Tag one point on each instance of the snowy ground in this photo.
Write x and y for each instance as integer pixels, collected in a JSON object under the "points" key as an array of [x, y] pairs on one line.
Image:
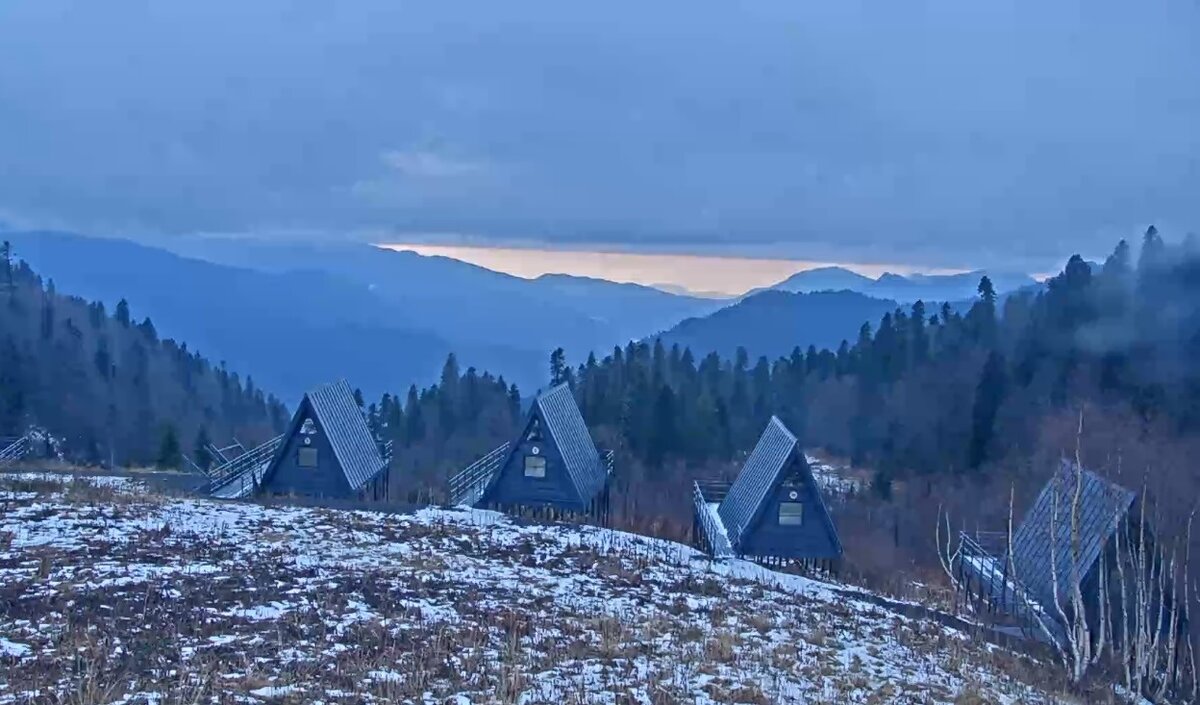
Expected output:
{"points": [[109, 594], [834, 477]]}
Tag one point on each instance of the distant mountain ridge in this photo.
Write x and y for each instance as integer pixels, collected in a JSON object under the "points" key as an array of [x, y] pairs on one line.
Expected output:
{"points": [[291, 329], [299, 314], [772, 323], [901, 288], [460, 301]]}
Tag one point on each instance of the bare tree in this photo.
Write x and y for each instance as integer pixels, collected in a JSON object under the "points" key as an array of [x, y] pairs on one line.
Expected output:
{"points": [[1141, 624]]}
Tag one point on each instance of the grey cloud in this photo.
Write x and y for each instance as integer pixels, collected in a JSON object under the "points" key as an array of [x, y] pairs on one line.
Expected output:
{"points": [[938, 133]]}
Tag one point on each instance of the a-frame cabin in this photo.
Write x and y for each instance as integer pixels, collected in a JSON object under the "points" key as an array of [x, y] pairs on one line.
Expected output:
{"points": [[773, 512], [328, 451], [1068, 533], [551, 470]]}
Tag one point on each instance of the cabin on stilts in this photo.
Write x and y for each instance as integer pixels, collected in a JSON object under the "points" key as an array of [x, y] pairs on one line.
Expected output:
{"points": [[772, 513], [1082, 546], [552, 470], [328, 452]]}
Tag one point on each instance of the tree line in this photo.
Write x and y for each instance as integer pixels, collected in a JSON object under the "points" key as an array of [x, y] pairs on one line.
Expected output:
{"points": [[109, 386], [928, 390]]}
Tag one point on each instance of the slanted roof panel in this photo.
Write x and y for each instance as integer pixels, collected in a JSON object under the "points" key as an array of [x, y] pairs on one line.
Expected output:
{"points": [[1103, 505], [753, 484], [570, 433], [347, 431]]}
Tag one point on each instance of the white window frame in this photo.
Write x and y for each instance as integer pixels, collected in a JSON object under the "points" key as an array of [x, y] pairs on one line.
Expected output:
{"points": [[791, 519], [316, 456], [536, 472]]}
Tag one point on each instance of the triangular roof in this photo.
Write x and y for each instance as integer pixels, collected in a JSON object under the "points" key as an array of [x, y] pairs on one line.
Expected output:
{"points": [[345, 428], [561, 415], [569, 433], [760, 475], [1102, 507]]}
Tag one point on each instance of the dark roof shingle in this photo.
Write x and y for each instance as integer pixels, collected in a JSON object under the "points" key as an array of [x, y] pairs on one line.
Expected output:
{"points": [[1103, 505], [347, 431], [751, 490], [759, 474], [566, 426]]}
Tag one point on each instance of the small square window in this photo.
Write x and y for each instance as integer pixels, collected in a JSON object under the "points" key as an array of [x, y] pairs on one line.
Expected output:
{"points": [[306, 457], [535, 466], [791, 513]]}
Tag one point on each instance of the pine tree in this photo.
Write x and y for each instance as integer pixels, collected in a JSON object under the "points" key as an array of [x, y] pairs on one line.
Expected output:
{"points": [[202, 456], [982, 316], [665, 435], [1119, 265], [514, 403], [122, 313], [414, 419], [148, 330], [13, 388], [6, 276], [558, 367], [1153, 251], [103, 359], [448, 398], [989, 394], [169, 454], [919, 343], [47, 317]]}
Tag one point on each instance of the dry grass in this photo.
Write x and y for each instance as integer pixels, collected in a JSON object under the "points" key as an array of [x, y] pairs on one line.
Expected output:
{"points": [[117, 594]]}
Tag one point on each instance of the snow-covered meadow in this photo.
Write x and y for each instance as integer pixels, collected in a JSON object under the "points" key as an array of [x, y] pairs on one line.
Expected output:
{"points": [[111, 594]]}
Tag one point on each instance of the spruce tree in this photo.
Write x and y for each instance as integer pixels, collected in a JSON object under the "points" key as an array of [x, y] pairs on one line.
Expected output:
{"points": [[169, 454], [202, 456], [988, 396], [122, 313], [558, 367]]}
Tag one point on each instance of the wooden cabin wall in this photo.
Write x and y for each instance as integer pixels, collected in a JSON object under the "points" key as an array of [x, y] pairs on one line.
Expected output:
{"points": [[811, 539], [325, 480], [513, 488]]}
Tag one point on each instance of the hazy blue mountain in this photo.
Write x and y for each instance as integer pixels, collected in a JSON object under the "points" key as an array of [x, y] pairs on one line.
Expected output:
{"points": [[902, 288], [296, 314], [289, 329], [684, 291], [824, 279], [464, 302], [631, 309], [771, 323]]}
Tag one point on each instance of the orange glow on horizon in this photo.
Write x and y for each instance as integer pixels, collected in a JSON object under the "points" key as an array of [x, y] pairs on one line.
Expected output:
{"points": [[714, 274]]}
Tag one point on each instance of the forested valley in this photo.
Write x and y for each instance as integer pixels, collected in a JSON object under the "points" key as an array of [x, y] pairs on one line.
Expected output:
{"points": [[935, 408], [108, 387], [931, 407]]}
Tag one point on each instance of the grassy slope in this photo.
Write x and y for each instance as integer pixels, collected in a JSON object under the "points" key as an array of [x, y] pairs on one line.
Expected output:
{"points": [[109, 592]]}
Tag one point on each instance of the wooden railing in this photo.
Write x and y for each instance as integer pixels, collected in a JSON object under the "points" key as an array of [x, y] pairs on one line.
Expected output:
{"points": [[716, 540], [468, 486], [13, 449], [986, 571], [238, 477]]}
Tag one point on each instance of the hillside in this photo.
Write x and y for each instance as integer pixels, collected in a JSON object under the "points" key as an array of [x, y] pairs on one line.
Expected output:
{"points": [[294, 329], [772, 323], [469, 305], [201, 599], [109, 384]]}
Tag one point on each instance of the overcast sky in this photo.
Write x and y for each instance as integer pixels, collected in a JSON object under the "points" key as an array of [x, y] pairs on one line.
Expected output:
{"points": [[943, 133]]}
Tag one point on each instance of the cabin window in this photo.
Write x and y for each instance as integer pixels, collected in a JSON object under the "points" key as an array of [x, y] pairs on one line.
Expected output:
{"points": [[306, 457], [535, 466], [791, 513]]}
